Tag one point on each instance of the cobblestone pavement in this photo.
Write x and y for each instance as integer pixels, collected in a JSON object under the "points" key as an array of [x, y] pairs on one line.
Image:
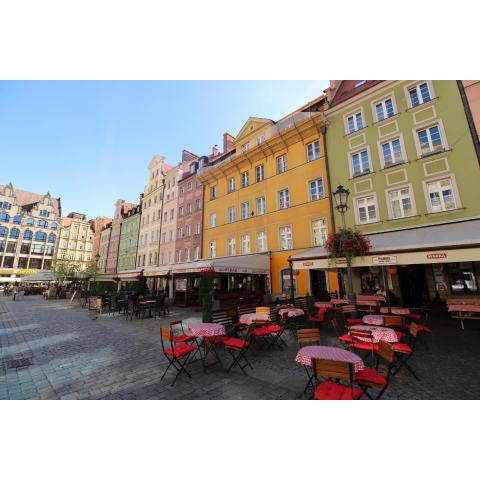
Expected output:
{"points": [[53, 350]]}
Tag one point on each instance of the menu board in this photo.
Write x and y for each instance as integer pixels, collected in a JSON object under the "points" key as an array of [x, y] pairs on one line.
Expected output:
{"points": [[181, 284]]}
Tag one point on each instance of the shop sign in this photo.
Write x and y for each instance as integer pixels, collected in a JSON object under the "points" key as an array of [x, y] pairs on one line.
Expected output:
{"points": [[181, 284], [307, 264], [384, 260], [436, 256], [341, 261]]}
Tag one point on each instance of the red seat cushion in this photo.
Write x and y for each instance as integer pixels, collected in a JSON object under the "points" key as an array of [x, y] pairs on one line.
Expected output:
{"points": [[354, 321], [260, 332], [370, 375], [365, 346], [423, 328], [402, 347], [180, 350], [329, 390], [400, 335], [315, 319], [346, 338], [235, 342], [274, 328], [182, 338], [414, 316]]}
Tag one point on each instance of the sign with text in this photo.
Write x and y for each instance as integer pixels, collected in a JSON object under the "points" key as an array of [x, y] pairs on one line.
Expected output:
{"points": [[385, 260]]}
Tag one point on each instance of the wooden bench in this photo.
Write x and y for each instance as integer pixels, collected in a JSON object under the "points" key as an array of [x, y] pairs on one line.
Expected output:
{"points": [[226, 317]]}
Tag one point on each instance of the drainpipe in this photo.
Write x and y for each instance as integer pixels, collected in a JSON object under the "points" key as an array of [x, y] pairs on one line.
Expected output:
{"points": [[471, 123], [292, 285]]}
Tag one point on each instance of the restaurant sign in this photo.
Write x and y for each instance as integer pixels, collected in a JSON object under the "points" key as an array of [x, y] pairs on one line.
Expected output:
{"points": [[384, 260], [436, 256]]}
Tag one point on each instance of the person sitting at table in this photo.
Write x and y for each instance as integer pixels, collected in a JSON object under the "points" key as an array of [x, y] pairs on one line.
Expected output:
{"points": [[282, 301]]}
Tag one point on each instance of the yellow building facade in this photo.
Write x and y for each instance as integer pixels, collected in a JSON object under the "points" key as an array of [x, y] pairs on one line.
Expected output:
{"points": [[272, 195]]}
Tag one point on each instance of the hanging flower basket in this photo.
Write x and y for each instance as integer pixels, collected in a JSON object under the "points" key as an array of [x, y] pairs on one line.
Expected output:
{"points": [[347, 243], [205, 272]]}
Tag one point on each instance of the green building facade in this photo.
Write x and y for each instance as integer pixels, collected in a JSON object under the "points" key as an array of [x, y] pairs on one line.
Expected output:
{"points": [[406, 153], [127, 254]]}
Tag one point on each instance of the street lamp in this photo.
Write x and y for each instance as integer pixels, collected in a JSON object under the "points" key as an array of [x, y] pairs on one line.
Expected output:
{"points": [[341, 202], [97, 258]]}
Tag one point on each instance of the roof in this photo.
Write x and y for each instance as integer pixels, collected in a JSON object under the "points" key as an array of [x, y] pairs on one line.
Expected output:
{"points": [[348, 89], [464, 234], [28, 199]]}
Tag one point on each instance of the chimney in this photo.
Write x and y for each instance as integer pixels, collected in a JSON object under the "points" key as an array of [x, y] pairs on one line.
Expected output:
{"points": [[332, 89], [228, 142], [215, 151]]}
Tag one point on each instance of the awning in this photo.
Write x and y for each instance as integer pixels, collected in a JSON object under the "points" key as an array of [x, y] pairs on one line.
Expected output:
{"points": [[255, 263], [452, 242], [42, 276], [128, 275]]}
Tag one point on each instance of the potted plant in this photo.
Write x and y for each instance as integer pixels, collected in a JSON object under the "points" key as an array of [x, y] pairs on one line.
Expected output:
{"points": [[347, 243], [205, 291]]}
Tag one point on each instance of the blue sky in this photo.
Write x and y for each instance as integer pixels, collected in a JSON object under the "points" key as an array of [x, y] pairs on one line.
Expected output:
{"points": [[89, 142]]}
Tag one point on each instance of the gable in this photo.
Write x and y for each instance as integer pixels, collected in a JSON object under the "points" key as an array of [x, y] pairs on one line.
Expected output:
{"points": [[252, 125]]}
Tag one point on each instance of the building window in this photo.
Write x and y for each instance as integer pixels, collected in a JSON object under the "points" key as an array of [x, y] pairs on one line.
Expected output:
{"points": [[313, 151], [180, 212], [212, 249], [261, 206], [14, 233], [231, 184], [360, 163], [213, 193], [165, 216], [52, 238], [187, 254], [245, 244], [260, 139], [441, 195], [213, 220], [286, 277], [316, 189], [40, 236], [29, 222], [286, 238], [244, 210], [384, 109], [231, 247], [5, 205], [172, 215], [187, 231], [261, 242], [4, 231], [281, 164], [197, 253], [170, 235], [197, 229], [27, 235], [164, 237], [17, 219], [354, 122], [400, 203], [231, 214], [179, 232], [38, 248], [419, 94], [319, 232], [391, 152], [43, 213], [259, 173], [189, 208], [366, 209], [244, 178], [42, 223], [283, 199], [179, 256], [244, 148], [189, 186], [430, 140], [198, 204]]}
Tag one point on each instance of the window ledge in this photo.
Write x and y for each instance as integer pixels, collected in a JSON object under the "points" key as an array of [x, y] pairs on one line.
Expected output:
{"points": [[386, 119], [446, 211], [398, 164], [367, 224], [422, 104], [361, 175], [403, 218], [356, 131], [433, 154]]}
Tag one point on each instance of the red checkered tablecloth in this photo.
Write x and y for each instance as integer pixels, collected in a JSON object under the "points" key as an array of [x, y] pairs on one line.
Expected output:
{"points": [[339, 301], [395, 310], [248, 318], [373, 319], [323, 304], [206, 329], [305, 355], [379, 333], [292, 312], [464, 308]]}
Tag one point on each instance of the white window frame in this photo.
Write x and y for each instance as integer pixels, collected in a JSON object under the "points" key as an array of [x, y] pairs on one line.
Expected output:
{"points": [[427, 126], [451, 177], [212, 249], [231, 247], [354, 114], [389, 191], [313, 150], [391, 139], [231, 184], [213, 193], [245, 244], [258, 211], [213, 220], [280, 237], [350, 161], [416, 85], [197, 228], [279, 196], [260, 168], [244, 175], [320, 179], [244, 210], [323, 228], [265, 248], [197, 253], [283, 163], [244, 148], [231, 218], [382, 100], [356, 207], [187, 230], [260, 139]]}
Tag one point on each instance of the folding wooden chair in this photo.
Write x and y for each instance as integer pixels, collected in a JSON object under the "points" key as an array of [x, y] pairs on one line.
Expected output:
{"points": [[362, 340], [308, 336], [404, 351], [334, 390], [177, 355], [237, 348], [348, 310], [371, 377], [277, 330]]}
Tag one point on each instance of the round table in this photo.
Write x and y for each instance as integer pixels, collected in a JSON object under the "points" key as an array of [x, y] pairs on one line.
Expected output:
{"points": [[395, 310], [373, 319], [249, 318], [305, 355], [339, 301], [210, 331], [323, 304], [292, 312], [379, 333]]}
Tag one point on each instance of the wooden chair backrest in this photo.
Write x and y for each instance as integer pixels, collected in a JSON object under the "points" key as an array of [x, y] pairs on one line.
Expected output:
{"points": [[348, 308], [308, 335], [175, 322], [166, 333], [360, 334], [332, 369], [386, 351], [264, 310], [413, 329], [394, 321]]}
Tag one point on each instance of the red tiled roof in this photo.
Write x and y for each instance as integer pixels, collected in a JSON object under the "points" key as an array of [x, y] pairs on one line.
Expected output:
{"points": [[347, 89], [25, 199]]}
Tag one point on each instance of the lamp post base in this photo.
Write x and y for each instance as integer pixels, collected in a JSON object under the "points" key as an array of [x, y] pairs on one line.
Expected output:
{"points": [[352, 300]]}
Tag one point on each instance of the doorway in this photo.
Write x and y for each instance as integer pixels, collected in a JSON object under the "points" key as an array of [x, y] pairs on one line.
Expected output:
{"points": [[318, 283], [413, 285]]}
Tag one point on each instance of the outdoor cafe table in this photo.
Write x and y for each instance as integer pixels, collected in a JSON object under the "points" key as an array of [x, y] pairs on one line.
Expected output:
{"points": [[249, 318], [339, 301], [305, 355], [323, 304], [210, 331], [396, 310], [149, 304], [379, 333], [373, 319], [292, 312]]}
